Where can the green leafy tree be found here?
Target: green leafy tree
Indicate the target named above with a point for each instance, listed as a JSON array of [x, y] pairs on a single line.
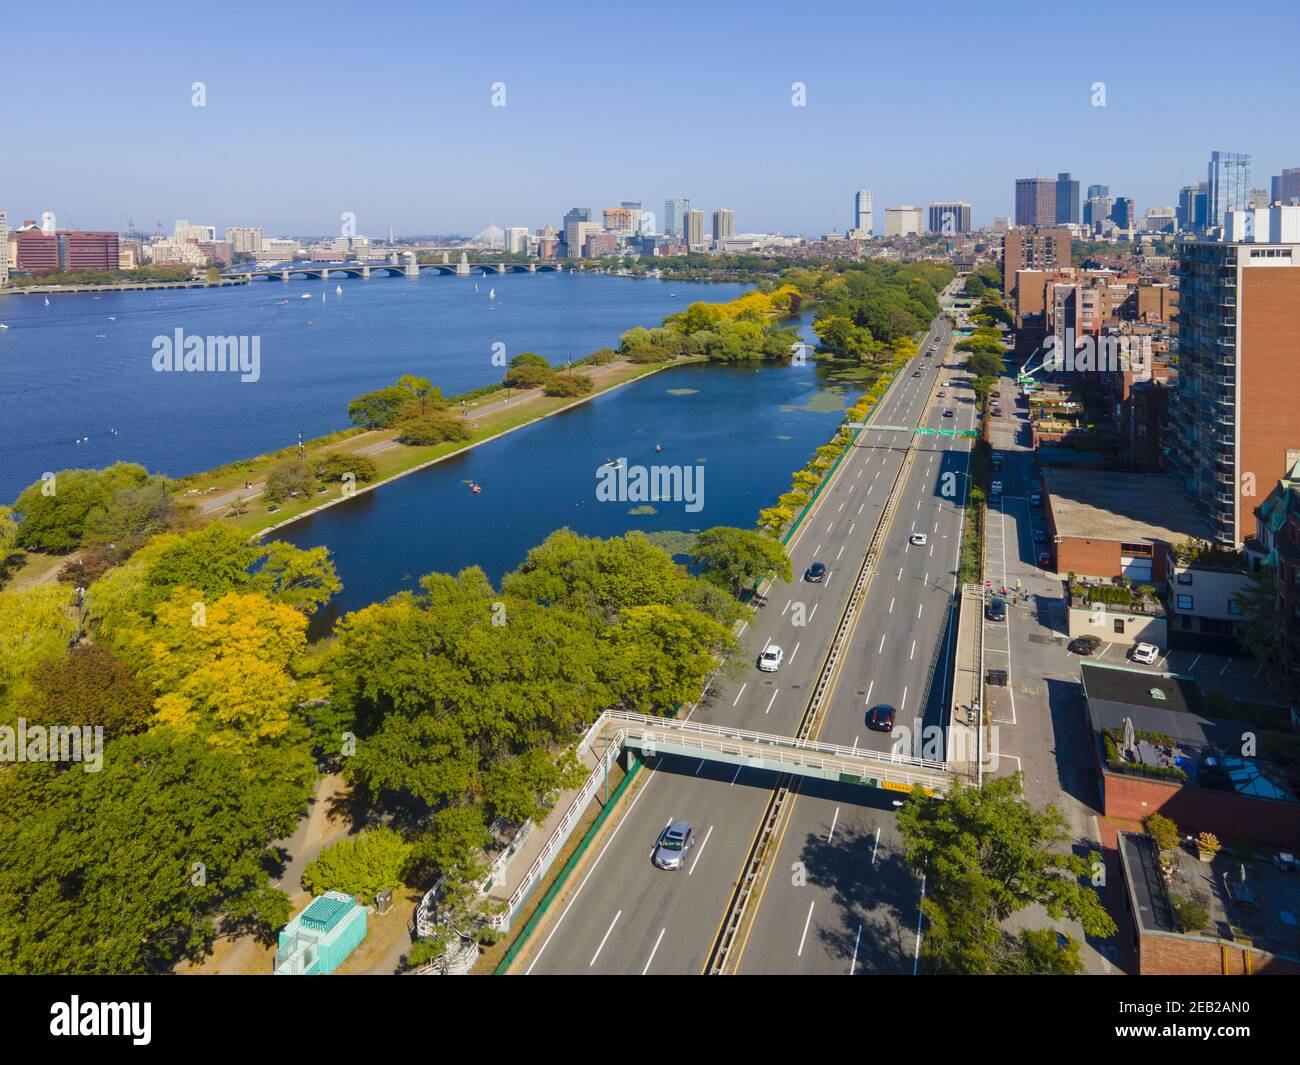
[[362, 866], [1260, 627], [293, 477], [378, 409], [52, 513], [436, 427], [738, 558]]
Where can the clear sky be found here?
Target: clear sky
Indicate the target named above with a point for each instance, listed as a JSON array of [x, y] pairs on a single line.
[[385, 109]]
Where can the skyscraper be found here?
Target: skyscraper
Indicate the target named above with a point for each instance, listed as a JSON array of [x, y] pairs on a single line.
[[1229, 185], [1098, 190], [1035, 202], [862, 211], [1124, 212], [902, 220], [1191, 207], [4, 248], [1067, 199], [675, 214], [693, 230], [723, 223], [1286, 186], [949, 218], [637, 212]]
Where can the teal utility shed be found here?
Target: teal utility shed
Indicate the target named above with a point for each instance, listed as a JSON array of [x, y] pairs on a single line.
[[317, 941]]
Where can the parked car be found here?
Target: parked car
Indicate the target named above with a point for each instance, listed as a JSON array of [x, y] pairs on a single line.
[[1044, 560], [672, 845], [880, 718], [1084, 645], [996, 487], [1036, 499], [816, 573], [771, 658], [1040, 537], [1146, 653], [996, 610]]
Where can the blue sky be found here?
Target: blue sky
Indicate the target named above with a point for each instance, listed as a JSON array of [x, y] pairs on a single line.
[[384, 109]]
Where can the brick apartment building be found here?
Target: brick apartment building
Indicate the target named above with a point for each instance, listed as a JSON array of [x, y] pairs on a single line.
[[1033, 248], [1233, 427]]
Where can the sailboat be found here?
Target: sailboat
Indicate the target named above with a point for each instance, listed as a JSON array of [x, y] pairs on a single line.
[[322, 297], [492, 293], [338, 290], [3, 326], [475, 286], [47, 301]]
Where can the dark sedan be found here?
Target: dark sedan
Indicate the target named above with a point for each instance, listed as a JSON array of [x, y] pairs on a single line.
[[880, 718]]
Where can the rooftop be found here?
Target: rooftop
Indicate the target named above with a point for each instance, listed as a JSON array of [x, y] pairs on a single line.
[[1247, 896], [1133, 507]]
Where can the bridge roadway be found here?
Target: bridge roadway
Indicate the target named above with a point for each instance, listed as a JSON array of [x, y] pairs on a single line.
[[621, 915]]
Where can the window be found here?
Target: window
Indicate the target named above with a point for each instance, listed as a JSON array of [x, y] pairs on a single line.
[[1184, 602], [1119, 625], [1185, 578], [1233, 608]]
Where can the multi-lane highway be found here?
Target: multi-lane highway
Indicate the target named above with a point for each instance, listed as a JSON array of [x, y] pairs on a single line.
[[852, 896]]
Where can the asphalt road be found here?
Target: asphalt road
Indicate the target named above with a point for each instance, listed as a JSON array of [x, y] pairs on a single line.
[[622, 915]]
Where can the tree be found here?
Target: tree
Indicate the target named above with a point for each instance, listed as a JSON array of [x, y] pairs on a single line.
[[89, 686], [363, 866], [527, 375], [293, 477], [124, 870], [988, 853], [569, 385], [1260, 627], [132, 515], [378, 409], [1044, 952], [335, 465], [659, 655], [52, 512], [36, 625], [737, 558], [436, 427], [1163, 832]]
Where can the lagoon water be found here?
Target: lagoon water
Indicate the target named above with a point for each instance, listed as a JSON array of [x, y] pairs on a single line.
[[742, 429], [68, 372]]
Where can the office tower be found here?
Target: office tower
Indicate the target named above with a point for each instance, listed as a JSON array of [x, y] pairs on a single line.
[[1098, 210], [1229, 185], [4, 248], [1191, 206], [1259, 198], [1286, 186], [1232, 424], [245, 239], [949, 218], [1024, 248], [516, 239], [1123, 212], [693, 230], [1035, 202], [902, 220], [576, 232], [724, 224], [620, 221], [637, 214], [674, 214], [1098, 190], [862, 220], [1067, 200]]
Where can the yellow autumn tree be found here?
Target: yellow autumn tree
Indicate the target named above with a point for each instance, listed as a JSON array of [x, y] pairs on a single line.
[[35, 626], [227, 669]]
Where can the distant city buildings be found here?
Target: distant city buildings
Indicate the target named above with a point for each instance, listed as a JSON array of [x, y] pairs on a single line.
[[41, 251], [862, 221], [1067, 200], [675, 215], [1035, 202], [1228, 185], [1285, 187], [902, 220], [245, 240], [693, 231], [723, 224], [516, 240], [1027, 248], [949, 218], [4, 248], [1193, 207], [638, 215]]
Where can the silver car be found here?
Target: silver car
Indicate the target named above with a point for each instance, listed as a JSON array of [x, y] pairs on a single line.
[[672, 845]]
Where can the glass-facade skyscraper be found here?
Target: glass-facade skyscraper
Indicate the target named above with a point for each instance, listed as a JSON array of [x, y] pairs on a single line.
[[675, 215], [1228, 185], [1067, 199]]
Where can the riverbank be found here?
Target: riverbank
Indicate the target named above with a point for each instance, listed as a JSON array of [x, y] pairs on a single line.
[[223, 495], [117, 286]]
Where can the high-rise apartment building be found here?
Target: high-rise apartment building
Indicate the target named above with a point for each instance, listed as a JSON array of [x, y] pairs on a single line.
[[949, 218], [1232, 424], [1067, 200], [1286, 186], [1025, 248], [675, 215], [862, 222], [1228, 185], [620, 221], [516, 240], [693, 231], [1035, 202], [246, 239], [902, 220], [638, 214], [724, 224]]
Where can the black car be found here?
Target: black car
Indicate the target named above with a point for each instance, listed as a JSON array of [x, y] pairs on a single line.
[[1084, 645], [880, 718], [996, 610], [816, 573]]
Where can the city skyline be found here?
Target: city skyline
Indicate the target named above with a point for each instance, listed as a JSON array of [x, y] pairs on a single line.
[[442, 159]]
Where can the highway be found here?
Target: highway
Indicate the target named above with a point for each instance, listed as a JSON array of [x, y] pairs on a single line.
[[622, 915]]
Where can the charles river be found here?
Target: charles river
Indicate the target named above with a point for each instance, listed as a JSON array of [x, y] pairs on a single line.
[[81, 369]]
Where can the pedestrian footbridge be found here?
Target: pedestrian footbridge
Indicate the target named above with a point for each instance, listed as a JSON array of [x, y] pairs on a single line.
[[654, 736]]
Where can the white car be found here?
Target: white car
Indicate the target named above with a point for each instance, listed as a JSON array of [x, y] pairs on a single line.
[[1146, 653], [771, 658], [918, 539]]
